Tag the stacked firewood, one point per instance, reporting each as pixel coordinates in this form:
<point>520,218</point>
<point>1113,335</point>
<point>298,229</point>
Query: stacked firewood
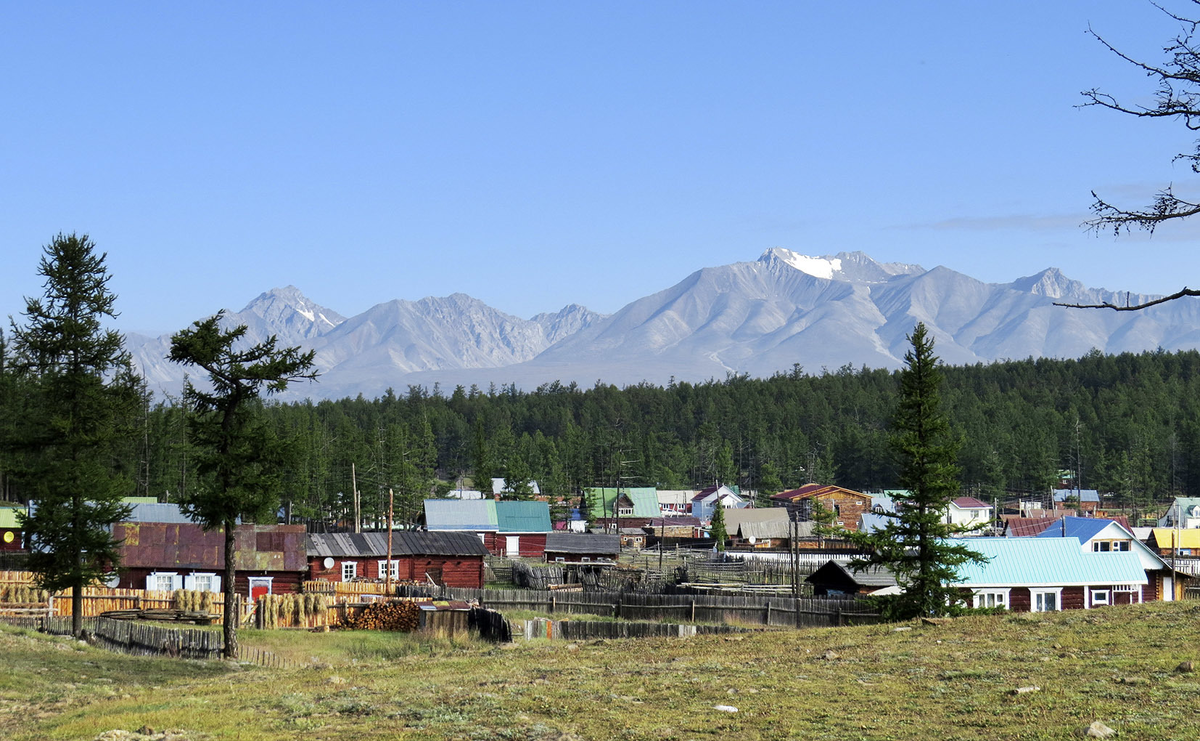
<point>394,615</point>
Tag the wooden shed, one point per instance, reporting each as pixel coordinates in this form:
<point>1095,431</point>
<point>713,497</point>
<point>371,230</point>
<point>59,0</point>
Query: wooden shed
<point>581,547</point>
<point>838,578</point>
<point>451,559</point>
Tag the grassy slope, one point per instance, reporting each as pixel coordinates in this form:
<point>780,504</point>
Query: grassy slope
<point>952,681</point>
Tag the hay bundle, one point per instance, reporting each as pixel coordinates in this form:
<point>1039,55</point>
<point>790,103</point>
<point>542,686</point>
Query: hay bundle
<point>24,594</point>
<point>397,615</point>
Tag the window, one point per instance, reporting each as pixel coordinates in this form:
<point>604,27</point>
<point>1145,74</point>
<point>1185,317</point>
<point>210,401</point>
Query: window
<point>990,598</point>
<point>349,570</point>
<point>1104,546</point>
<point>1100,597</point>
<point>203,582</point>
<point>1045,600</point>
<point>164,581</point>
<point>389,566</point>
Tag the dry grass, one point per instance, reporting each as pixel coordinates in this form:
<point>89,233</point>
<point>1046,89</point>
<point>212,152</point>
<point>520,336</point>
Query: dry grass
<point>953,681</point>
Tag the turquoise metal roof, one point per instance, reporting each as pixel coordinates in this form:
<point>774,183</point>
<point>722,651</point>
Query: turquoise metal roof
<point>461,514</point>
<point>523,517</point>
<point>1052,562</point>
<point>644,498</point>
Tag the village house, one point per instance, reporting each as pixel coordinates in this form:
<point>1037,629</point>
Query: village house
<point>506,528</point>
<point>1171,542</point>
<point>1082,500</point>
<point>1051,574</point>
<point>1183,513</point>
<point>705,501</point>
<point>675,501</point>
<point>846,505</point>
<point>161,549</point>
<point>449,559</point>
<point>969,512</point>
<point>10,529</point>
<point>758,528</point>
<point>1100,535</point>
<point>609,503</point>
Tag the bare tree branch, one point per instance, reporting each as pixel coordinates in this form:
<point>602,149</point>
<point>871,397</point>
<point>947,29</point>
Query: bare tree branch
<point>1134,307</point>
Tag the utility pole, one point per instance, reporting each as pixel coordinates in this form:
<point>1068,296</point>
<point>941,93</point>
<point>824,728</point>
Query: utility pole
<point>387,583</point>
<point>357,501</point>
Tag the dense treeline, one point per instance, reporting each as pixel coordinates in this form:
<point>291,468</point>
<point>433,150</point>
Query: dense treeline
<point>1127,424</point>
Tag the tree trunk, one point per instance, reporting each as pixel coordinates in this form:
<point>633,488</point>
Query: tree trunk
<point>231,611</point>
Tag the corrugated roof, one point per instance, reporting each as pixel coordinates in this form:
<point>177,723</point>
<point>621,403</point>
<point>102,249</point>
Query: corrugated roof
<point>158,512</point>
<point>583,543</point>
<point>1051,562</point>
<point>872,576</point>
<point>476,515</point>
<point>971,503</point>
<point>763,530</point>
<point>1025,527</point>
<point>523,517</point>
<point>644,498</point>
<point>1083,495</point>
<point>404,543</point>
<point>1083,528</point>
<point>1167,537</point>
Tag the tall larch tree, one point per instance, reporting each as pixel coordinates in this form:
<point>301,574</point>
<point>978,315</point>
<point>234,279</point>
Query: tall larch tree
<point>239,457</point>
<point>82,400</point>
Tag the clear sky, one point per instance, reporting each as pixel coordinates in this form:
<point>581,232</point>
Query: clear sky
<point>538,154</point>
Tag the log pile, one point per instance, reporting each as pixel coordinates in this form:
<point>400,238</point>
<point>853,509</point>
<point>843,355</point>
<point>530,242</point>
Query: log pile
<point>398,615</point>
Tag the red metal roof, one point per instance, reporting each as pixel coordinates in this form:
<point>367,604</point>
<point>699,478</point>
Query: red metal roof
<point>971,503</point>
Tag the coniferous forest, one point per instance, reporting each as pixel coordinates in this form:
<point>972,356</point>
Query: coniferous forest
<point>1126,424</point>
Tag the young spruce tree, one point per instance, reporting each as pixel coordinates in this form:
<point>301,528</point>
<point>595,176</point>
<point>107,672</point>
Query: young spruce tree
<point>80,396</point>
<point>239,458</point>
<point>916,544</point>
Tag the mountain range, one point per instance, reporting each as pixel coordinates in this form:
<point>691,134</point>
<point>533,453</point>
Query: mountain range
<point>757,318</point>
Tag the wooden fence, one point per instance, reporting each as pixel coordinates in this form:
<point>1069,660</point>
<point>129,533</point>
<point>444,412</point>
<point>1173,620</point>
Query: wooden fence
<point>97,600</point>
<point>151,640</point>
<point>736,610</point>
<point>582,630</point>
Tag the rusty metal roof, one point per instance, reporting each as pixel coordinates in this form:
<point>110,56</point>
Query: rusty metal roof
<point>166,545</point>
<point>404,543</point>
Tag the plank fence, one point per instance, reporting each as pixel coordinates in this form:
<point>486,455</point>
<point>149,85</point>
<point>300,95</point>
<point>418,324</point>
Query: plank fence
<point>734,610</point>
<point>140,639</point>
<point>97,600</point>
<point>583,630</point>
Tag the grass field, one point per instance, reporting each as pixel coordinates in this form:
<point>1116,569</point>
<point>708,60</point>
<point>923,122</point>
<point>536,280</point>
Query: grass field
<point>953,681</point>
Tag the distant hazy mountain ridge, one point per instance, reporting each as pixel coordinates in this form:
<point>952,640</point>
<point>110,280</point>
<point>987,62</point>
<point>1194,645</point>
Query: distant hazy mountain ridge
<point>758,317</point>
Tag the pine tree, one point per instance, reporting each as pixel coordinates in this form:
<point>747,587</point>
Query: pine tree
<point>82,399</point>
<point>916,543</point>
<point>239,458</point>
<point>718,527</point>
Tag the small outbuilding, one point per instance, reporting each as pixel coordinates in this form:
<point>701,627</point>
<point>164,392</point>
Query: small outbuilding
<point>838,578</point>
<point>581,547</point>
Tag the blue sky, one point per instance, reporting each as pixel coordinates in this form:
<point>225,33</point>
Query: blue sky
<point>537,154</point>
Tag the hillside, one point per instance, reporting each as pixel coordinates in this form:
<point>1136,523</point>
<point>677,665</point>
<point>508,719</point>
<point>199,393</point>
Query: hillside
<point>955,681</point>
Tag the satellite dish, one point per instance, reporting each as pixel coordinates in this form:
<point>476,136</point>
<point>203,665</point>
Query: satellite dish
<point>752,539</point>
<point>112,580</point>
<point>328,562</point>
<point>9,536</point>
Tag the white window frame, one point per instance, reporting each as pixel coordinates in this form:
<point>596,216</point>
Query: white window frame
<point>154,581</point>
<point>999,598</point>
<point>259,581</point>
<point>1035,593</point>
<point>509,542</point>
<point>191,581</point>
<point>393,566</point>
<point>350,568</point>
<point>1097,601</point>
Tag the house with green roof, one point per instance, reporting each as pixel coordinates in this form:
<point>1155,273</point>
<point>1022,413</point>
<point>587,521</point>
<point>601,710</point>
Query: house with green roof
<point>506,528</point>
<point>637,501</point>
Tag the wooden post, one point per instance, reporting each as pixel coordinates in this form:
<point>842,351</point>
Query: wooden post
<point>768,623</point>
<point>693,609</point>
<point>357,502</point>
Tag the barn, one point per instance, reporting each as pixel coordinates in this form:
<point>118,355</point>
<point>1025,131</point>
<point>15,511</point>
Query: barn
<point>582,547</point>
<point>450,559</point>
<point>513,528</point>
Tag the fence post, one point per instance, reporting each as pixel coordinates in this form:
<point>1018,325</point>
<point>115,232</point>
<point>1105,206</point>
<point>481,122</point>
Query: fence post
<point>839,616</point>
<point>796,604</point>
<point>768,623</point>
<point>693,606</point>
<point>553,600</point>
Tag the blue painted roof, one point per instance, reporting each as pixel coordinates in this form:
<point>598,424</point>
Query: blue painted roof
<point>1050,562</point>
<point>461,514</point>
<point>869,522</point>
<point>1083,528</point>
<point>523,517</point>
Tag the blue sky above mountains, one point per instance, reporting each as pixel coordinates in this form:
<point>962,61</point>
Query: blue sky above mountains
<point>538,154</point>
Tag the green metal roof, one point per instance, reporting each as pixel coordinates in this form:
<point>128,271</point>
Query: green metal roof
<point>461,514</point>
<point>1051,562</point>
<point>523,517</point>
<point>644,498</point>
